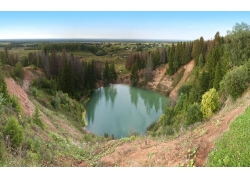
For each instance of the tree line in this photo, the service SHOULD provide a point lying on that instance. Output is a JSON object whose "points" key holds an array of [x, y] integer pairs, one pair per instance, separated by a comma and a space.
{"points": [[222, 69], [65, 72]]}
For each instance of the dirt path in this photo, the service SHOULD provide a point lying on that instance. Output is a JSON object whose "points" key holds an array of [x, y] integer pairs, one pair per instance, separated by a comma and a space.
{"points": [[193, 146], [188, 68]]}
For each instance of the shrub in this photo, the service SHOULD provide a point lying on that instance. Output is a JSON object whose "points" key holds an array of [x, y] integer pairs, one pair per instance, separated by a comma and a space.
{"points": [[15, 132], [169, 131], [56, 101], [235, 82], [34, 91], [169, 112], [37, 119], [100, 53], [2, 152], [15, 104], [184, 89], [209, 103], [180, 103], [18, 71], [2, 100], [193, 114]]}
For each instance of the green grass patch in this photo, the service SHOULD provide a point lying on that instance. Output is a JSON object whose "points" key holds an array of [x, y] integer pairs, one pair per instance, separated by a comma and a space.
{"points": [[233, 149], [21, 52]]}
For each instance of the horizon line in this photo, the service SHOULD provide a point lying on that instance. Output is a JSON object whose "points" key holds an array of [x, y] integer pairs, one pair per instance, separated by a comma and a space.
{"points": [[93, 39]]}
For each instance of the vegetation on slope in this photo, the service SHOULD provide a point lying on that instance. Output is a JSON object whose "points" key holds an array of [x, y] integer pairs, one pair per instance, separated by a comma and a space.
{"points": [[232, 149]]}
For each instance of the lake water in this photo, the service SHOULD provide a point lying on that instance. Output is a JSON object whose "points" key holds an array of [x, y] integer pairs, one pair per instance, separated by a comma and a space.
{"points": [[120, 110]]}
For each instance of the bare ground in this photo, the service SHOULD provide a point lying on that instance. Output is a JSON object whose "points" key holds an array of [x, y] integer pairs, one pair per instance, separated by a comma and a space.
{"points": [[28, 106], [188, 68], [193, 145]]}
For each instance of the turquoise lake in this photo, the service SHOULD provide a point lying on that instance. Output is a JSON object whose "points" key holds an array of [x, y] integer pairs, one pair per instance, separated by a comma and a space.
{"points": [[121, 110]]}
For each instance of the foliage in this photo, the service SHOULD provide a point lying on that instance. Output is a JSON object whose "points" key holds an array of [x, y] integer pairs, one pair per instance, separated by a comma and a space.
{"points": [[2, 101], [232, 150], [238, 44], [56, 101], [85, 123], [14, 131], [209, 103], [18, 71], [148, 69], [178, 78], [134, 74], [3, 152], [169, 113], [100, 53], [37, 118], [169, 131], [180, 103], [193, 114], [235, 81], [15, 104], [34, 91], [3, 88], [184, 89]]}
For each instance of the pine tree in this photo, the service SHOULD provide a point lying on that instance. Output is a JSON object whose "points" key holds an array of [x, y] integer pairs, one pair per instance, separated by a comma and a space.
{"points": [[218, 77], [106, 72], [148, 70], [112, 72], [134, 75]]}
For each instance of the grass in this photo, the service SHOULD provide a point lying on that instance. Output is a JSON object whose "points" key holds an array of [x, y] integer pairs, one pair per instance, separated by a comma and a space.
{"points": [[21, 52], [233, 149]]}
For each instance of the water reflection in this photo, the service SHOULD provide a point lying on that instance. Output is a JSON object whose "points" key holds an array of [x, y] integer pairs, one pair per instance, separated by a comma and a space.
{"points": [[110, 94], [120, 109], [133, 96]]}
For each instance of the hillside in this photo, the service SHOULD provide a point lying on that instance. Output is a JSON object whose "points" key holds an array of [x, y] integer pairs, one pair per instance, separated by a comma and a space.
{"points": [[189, 147]]}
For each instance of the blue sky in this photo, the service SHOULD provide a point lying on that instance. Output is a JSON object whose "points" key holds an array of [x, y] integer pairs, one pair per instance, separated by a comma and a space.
{"points": [[180, 25]]}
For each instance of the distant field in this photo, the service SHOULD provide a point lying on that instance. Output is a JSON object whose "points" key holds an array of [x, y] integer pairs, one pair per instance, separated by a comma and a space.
{"points": [[118, 58], [22, 52]]}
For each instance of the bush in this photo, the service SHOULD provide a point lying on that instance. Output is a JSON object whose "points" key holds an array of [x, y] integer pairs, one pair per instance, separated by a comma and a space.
{"points": [[15, 104], [169, 113], [209, 103], [18, 71], [15, 132], [100, 53], [3, 152], [180, 103], [2, 100], [193, 114], [185, 89], [34, 91], [37, 119], [235, 82], [169, 131], [56, 101]]}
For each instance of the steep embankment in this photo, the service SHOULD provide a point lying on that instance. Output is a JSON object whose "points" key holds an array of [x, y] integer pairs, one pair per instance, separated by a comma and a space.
{"points": [[188, 68], [190, 148], [52, 122]]}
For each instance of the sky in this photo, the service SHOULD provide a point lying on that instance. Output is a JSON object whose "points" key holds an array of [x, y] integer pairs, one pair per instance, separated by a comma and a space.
{"points": [[155, 25]]}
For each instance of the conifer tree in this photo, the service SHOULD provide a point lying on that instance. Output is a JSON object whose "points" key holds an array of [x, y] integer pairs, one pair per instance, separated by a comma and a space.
{"points": [[106, 72], [218, 77], [112, 72], [134, 74]]}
